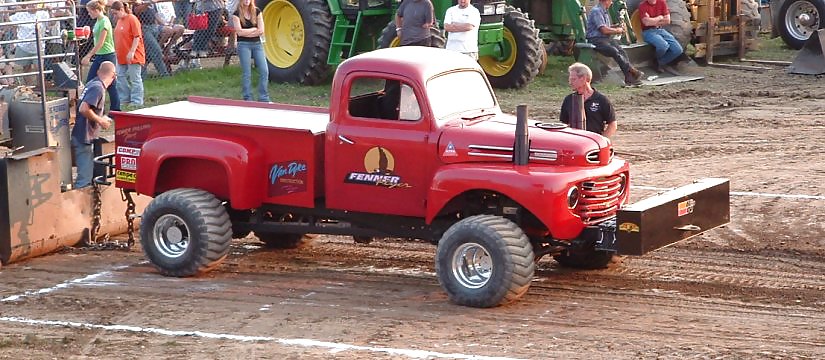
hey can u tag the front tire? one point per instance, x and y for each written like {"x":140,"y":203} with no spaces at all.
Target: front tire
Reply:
{"x":298,"y":37}
{"x":484,"y":261}
{"x":798,"y":19}
{"x":522,"y":53}
{"x":185,"y":232}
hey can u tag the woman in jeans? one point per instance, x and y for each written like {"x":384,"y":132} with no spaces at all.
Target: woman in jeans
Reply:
{"x":104,"y":49}
{"x":249,"y":26}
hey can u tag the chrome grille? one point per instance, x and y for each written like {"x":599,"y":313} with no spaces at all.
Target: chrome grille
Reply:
{"x":600,"y":198}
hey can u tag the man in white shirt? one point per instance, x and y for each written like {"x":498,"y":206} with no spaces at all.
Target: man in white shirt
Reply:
{"x":461,"y":22}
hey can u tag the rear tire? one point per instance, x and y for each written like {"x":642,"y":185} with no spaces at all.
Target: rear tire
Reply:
{"x":280,"y":240}
{"x":484,"y":261}
{"x":523,"y":49}
{"x":298,"y":34}
{"x":184,"y":232}
{"x":587,"y":259}
{"x":793,"y":30}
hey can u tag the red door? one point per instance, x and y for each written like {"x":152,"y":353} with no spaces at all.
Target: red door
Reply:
{"x":381,"y":160}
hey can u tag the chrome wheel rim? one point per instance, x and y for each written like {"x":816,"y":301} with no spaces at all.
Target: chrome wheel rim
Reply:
{"x":472,"y":265}
{"x":802,"y":19}
{"x":171,"y":236}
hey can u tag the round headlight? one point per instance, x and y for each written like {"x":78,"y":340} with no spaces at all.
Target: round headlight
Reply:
{"x":572,"y":197}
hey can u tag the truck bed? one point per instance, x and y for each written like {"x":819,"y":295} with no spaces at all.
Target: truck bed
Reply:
{"x":293,"y":117}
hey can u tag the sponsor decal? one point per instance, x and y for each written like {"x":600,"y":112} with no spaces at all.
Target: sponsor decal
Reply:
{"x":686,"y":207}
{"x":128,"y":163}
{"x":128,"y":151}
{"x":450,"y":150}
{"x":288,"y":177}
{"x":629,"y":227}
{"x":133,"y":136}
{"x":126,"y":176}
{"x":379,"y":165}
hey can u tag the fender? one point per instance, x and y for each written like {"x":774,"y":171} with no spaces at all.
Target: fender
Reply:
{"x":542,"y":190}
{"x":240,"y":158}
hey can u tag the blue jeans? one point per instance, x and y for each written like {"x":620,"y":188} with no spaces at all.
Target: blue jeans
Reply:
{"x":154,"y":53}
{"x":667,"y":48}
{"x":249,"y":51}
{"x":84,"y":159}
{"x":182,"y":10}
{"x":130,"y":83}
{"x":114,"y":99}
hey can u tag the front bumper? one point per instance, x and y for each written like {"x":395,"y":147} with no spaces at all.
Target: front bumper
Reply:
{"x":664,"y":219}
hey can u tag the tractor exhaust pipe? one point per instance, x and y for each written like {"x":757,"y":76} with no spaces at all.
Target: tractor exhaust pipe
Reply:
{"x":521,"y":148}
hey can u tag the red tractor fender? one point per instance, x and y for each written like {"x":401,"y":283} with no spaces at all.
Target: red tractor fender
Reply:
{"x":542,"y":192}
{"x":243,"y":182}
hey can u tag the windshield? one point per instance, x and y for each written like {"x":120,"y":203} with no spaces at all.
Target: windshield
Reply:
{"x":457,"y":92}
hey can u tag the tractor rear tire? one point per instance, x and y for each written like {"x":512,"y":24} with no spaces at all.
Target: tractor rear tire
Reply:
{"x":523,"y":49}
{"x":792,"y":31}
{"x":484,"y":261}
{"x":389,"y":37}
{"x":680,"y":25}
{"x":185,"y":232}
{"x":297,"y":34}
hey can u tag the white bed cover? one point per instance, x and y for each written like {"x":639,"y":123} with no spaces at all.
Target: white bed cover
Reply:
{"x":314,"y":122}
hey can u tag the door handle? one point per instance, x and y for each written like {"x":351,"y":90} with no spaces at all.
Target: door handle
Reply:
{"x":344,"y":139}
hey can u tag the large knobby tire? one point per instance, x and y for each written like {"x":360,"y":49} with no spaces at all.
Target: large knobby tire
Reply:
{"x":798,"y":19}
{"x":680,"y":25}
{"x":522,"y":53}
{"x":279,"y":240}
{"x":585,"y":259}
{"x":484,"y":261}
{"x":297,"y":34}
{"x":389,"y":37}
{"x":184,"y":232}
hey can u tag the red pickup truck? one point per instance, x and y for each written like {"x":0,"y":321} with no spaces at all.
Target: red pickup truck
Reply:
{"x":413,"y":145}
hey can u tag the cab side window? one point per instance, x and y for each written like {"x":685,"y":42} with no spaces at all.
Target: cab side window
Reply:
{"x":386,"y":99}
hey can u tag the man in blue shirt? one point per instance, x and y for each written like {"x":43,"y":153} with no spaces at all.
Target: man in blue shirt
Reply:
{"x":600,"y":32}
{"x":89,"y":121}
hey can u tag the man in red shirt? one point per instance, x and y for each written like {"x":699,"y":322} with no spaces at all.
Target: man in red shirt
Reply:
{"x":654,"y":15}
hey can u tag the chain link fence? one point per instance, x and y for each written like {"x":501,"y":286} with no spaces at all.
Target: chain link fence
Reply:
{"x":178,"y":35}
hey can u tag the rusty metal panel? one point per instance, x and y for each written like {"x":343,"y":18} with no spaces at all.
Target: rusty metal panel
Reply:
{"x":36,"y":217}
{"x":673,"y":216}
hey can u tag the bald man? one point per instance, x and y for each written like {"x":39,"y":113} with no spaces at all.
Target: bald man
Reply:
{"x":90,"y":120}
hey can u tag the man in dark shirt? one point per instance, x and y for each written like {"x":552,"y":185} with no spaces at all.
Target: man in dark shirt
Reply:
{"x":413,"y":22}
{"x":600,"y":117}
{"x":89,"y":121}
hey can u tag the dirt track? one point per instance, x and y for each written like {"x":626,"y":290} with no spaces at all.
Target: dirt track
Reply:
{"x":753,"y":289}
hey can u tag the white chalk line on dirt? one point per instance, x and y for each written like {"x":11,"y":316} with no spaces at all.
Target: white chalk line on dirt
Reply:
{"x":741,"y":193}
{"x":63,"y":285}
{"x":331,"y":346}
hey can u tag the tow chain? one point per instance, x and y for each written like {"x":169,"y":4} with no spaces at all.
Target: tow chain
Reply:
{"x":105,"y":242}
{"x":130,"y":216}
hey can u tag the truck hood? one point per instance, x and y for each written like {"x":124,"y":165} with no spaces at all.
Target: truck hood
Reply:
{"x":491,"y":139}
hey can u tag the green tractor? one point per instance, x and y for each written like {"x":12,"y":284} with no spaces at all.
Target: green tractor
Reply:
{"x":303,"y":38}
